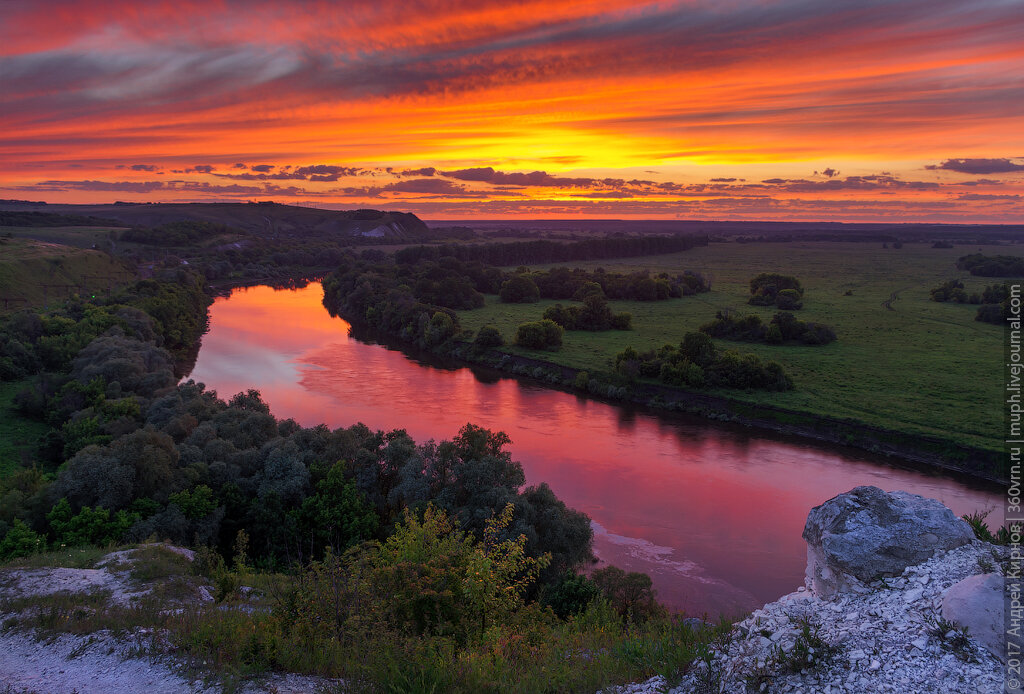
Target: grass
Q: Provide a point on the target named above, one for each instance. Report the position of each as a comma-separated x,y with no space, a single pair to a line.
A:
19,435
79,237
232,643
923,368
73,558
35,273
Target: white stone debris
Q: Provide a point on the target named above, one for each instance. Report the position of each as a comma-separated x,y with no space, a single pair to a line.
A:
845,633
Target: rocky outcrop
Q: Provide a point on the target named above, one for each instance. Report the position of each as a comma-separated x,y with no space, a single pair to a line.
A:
918,617
976,605
866,534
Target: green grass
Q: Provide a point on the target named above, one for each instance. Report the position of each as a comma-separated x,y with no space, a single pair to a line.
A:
19,435
36,273
79,237
531,651
925,367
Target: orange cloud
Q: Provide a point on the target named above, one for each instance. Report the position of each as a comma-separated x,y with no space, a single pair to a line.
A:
553,99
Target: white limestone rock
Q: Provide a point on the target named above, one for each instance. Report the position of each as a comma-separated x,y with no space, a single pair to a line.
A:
867,533
977,604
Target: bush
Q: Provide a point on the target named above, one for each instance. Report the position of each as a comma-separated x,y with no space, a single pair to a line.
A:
788,300
631,594
488,337
766,288
20,541
571,595
543,334
519,289
991,313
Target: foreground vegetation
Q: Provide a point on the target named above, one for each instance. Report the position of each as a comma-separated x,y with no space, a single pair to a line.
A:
340,618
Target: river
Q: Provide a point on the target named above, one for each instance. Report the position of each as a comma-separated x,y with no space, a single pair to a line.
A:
713,513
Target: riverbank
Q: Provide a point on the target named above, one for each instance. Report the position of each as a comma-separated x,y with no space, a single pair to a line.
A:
919,450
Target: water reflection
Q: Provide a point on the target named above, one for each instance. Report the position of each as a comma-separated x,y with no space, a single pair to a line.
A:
714,513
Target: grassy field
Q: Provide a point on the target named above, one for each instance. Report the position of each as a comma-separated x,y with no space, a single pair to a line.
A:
923,367
18,435
35,273
79,237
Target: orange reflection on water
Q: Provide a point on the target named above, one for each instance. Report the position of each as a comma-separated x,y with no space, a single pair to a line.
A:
712,513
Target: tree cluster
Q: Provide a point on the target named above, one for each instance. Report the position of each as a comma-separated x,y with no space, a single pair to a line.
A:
542,334
697,363
543,251
994,299
783,328
180,233
380,297
594,314
171,314
563,283
992,265
773,289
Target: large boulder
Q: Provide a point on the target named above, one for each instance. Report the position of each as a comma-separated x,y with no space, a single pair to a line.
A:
976,603
868,533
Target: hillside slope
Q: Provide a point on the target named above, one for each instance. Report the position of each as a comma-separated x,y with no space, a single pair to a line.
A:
33,272
267,219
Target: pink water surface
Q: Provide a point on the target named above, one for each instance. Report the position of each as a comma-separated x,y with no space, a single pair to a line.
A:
713,513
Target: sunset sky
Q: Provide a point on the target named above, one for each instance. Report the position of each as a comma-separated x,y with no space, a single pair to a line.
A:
719,109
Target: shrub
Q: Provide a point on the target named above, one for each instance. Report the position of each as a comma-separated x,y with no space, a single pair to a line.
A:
571,595
488,337
543,334
519,289
991,313
788,300
766,288
20,541
631,594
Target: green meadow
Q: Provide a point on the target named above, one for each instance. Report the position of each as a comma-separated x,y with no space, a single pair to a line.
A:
920,367
34,273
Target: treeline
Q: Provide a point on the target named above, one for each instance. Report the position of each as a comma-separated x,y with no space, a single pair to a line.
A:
12,218
562,283
994,299
992,266
379,297
783,328
180,233
543,251
697,363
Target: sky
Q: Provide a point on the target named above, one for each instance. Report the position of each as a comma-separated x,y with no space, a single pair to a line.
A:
803,110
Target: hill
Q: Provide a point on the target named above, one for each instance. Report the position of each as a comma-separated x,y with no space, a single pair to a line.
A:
33,273
266,219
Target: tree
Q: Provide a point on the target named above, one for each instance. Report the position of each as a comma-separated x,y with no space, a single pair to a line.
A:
519,289
488,337
631,594
543,334
697,348
336,516
20,541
